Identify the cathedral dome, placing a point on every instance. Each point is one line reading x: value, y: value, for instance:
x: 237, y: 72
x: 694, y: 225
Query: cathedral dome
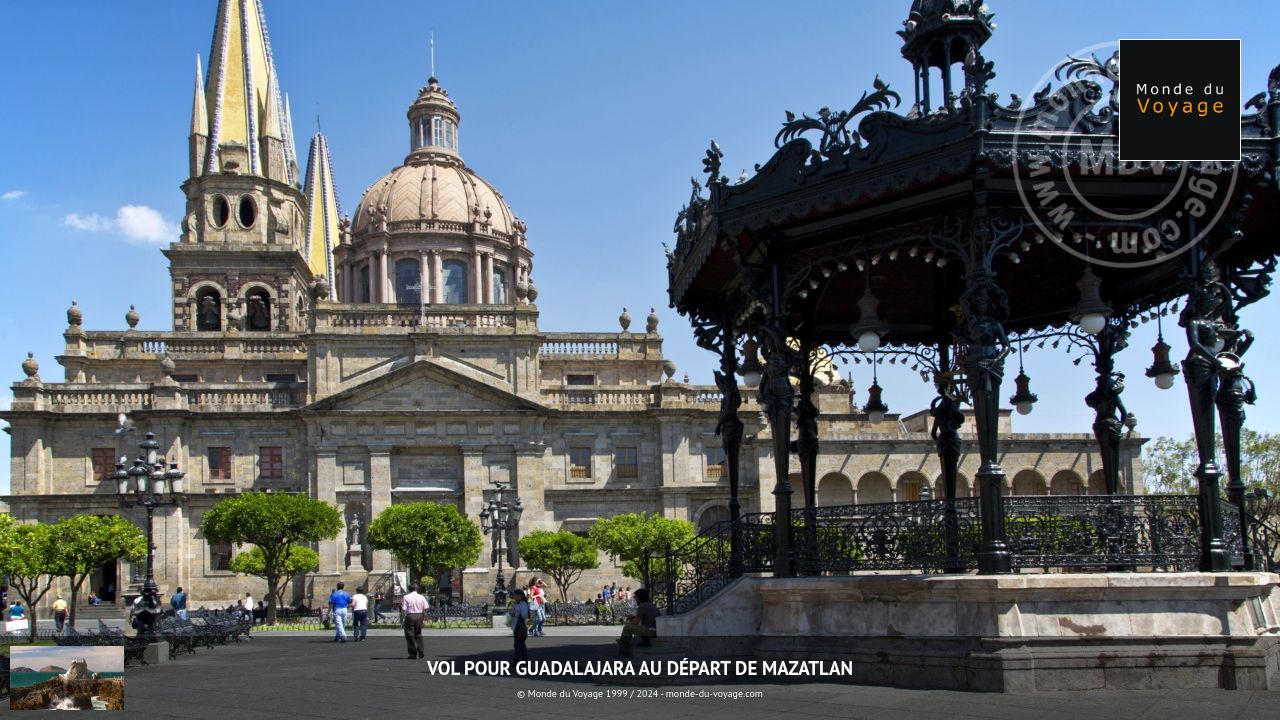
x: 431, y: 231
x: 434, y: 191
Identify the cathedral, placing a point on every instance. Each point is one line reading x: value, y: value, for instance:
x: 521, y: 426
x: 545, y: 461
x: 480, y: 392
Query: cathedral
x: 394, y: 356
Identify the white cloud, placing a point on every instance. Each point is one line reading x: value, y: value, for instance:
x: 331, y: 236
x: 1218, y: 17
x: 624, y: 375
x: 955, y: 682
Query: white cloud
x: 138, y: 224
x: 91, y: 223
x: 13, y: 195
x: 145, y: 225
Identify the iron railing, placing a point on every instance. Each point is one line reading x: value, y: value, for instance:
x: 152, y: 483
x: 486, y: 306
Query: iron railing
x: 1264, y: 543
x: 1076, y: 533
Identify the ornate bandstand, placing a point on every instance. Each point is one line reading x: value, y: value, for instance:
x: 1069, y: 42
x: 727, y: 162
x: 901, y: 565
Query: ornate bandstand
x: 955, y: 237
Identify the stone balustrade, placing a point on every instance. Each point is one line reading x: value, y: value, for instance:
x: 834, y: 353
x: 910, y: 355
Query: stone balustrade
x: 366, y: 317
x: 701, y: 397
x: 125, y: 398
x: 105, y: 345
x: 581, y: 348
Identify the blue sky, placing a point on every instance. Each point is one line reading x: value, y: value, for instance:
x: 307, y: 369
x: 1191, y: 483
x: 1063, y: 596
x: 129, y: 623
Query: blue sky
x: 588, y: 117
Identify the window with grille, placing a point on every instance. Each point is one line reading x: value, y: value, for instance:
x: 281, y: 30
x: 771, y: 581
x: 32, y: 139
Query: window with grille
x: 271, y: 462
x: 715, y: 462
x: 104, y: 463
x: 626, y: 463
x: 219, y: 463
x: 220, y: 557
x: 580, y: 462
x: 572, y: 379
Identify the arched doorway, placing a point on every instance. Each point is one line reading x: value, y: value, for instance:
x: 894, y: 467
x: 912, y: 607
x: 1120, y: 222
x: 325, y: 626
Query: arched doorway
x: 711, y: 517
x: 909, y: 486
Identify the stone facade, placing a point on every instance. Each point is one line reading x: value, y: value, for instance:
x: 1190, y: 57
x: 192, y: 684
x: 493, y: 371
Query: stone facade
x: 406, y: 364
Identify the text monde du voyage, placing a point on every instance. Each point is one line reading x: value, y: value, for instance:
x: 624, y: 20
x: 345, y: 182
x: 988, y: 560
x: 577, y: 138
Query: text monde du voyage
x: 1179, y: 99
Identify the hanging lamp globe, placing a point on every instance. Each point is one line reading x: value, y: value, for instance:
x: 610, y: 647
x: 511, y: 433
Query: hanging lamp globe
x: 1092, y: 311
x: 870, y: 328
x: 1161, y: 370
x: 1023, y: 399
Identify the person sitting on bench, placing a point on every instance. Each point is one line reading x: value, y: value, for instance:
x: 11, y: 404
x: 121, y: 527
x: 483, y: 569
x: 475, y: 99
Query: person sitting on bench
x: 644, y: 623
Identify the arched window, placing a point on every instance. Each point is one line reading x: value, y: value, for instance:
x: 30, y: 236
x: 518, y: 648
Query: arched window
x: 450, y: 139
x: 909, y: 486
x: 208, y: 310
x: 454, y: 279
x: 499, y: 285
x: 408, y: 282
x: 437, y: 130
x: 257, y: 316
x: 1066, y: 482
x: 711, y: 517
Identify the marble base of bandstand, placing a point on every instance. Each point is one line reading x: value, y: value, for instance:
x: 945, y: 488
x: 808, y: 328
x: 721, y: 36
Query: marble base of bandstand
x: 1004, y: 633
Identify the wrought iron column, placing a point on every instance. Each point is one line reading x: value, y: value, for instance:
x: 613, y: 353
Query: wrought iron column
x: 806, y: 449
x: 947, y: 419
x: 985, y: 305
x: 777, y: 396
x: 1200, y: 369
x: 1109, y: 412
x: 1234, y: 391
x: 729, y: 428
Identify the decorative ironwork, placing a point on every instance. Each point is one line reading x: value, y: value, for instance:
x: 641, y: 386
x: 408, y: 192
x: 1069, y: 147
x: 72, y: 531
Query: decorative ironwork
x: 1147, y: 532
x: 837, y: 138
x: 690, y: 574
x: 890, y: 536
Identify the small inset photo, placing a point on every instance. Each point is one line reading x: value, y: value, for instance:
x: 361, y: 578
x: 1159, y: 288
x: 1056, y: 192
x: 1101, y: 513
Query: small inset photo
x: 66, y: 678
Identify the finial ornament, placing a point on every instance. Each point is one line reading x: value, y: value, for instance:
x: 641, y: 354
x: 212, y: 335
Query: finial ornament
x: 74, y: 315
x: 651, y: 324
x: 624, y: 320
x: 30, y: 367
x: 132, y: 317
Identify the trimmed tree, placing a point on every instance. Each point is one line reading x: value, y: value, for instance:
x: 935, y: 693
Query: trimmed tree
x: 84, y: 542
x: 631, y: 536
x: 562, y: 555
x: 299, y: 560
x: 28, y: 556
x: 426, y: 537
x: 276, y: 523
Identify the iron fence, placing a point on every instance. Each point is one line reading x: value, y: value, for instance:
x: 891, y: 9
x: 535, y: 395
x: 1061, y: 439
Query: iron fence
x: 1145, y: 533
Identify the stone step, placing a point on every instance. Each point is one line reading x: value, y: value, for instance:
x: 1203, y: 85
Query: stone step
x: 99, y: 612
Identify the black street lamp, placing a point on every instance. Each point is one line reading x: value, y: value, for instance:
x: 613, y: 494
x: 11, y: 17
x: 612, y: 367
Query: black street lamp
x: 148, y: 484
x: 499, y: 518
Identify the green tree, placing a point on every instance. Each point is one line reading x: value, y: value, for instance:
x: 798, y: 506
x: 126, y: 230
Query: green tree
x: 84, y: 542
x: 426, y: 537
x: 298, y: 560
x: 562, y: 555
x: 1170, y: 465
x: 631, y: 536
x: 28, y: 556
x: 276, y: 523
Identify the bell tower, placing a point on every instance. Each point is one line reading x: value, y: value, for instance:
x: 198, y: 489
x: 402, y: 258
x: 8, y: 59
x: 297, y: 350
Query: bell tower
x: 241, y: 262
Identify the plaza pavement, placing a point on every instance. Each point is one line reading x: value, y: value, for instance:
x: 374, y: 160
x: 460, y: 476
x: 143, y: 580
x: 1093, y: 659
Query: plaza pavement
x: 306, y: 675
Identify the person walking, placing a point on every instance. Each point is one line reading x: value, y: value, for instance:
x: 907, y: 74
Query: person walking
x: 376, y: 607
x: 359, y: 615
x: 246, y: 607
x: 518, y: 616
x: 179, y: 603
x: 537, y: 605
x: 413, y: 608
x: 339, y: 601
x: 59, y: 613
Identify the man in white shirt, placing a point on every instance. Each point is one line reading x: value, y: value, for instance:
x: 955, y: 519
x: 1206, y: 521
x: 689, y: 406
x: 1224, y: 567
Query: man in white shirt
x: 359, y: 615
x: 246, y: 607
x: 413, y: 608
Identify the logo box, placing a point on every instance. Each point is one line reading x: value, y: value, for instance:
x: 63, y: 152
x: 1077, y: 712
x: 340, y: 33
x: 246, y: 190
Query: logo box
x: 1180, y: 100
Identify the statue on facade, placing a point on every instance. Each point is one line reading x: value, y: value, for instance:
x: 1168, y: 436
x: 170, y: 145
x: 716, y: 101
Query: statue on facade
x: 353, y: 534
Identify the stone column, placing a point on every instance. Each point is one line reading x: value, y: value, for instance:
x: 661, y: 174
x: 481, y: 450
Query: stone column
x: 437, y: 273
x: 477, y: 292
x: 379, y: 497
x: 384, y: 286
x: 424, y: 278
x: 487, y: 277
x: 477, y: 581
x: 332, y: 551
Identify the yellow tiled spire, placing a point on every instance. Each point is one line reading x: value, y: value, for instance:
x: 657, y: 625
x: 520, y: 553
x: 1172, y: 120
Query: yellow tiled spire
x: 322, y: 211
x: 242, y: 97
